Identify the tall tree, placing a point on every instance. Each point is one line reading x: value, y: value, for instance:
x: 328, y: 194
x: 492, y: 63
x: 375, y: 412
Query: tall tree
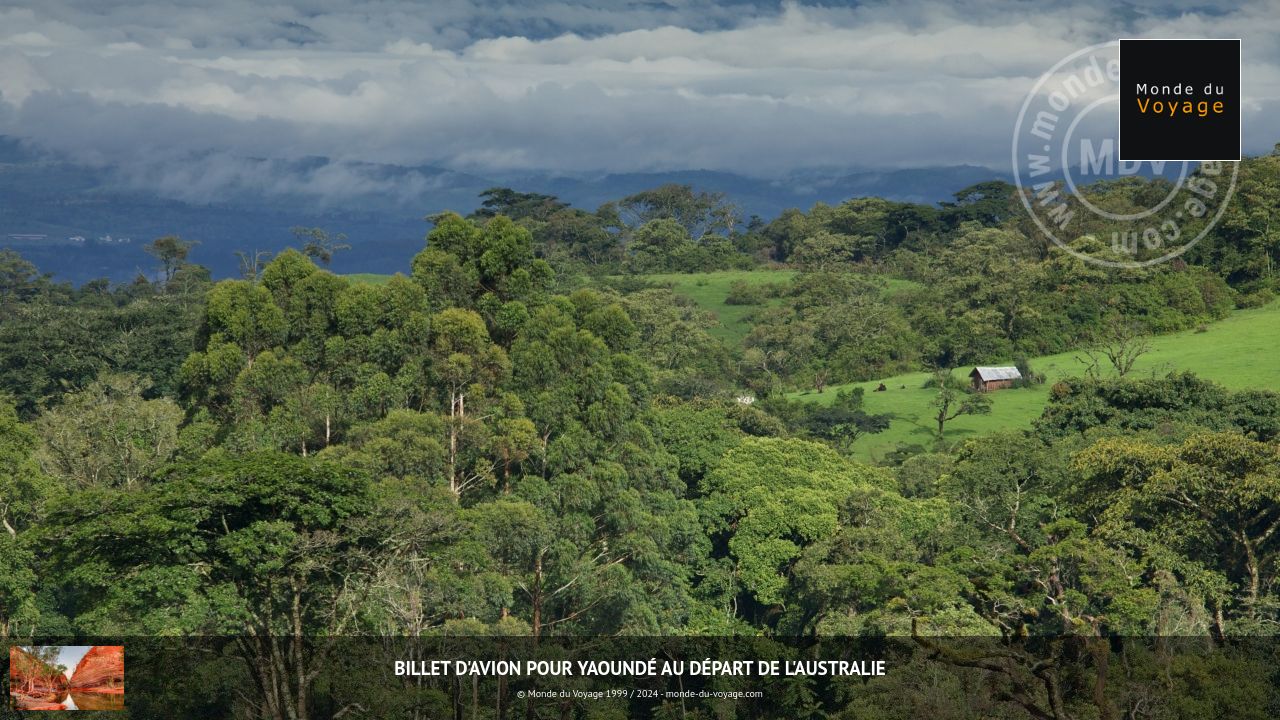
x: 171, y: 251
x: 698, y: 212
x: 1213, y: 501
x: 108, y: 435
x: 318, y: 244
x: 19, y: 279
x: 24, y: 490
x: 269, y: 548
x: 769, y: 498
x: 467, y: 364
x: 517, y: 205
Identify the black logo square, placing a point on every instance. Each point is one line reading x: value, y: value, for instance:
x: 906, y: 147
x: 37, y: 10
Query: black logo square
x: 1179, y: 99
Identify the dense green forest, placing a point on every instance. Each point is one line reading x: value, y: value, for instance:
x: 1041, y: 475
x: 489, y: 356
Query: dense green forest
x: 529, y: 433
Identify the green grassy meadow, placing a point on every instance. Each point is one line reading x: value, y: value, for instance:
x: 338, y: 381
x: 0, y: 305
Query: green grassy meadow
x: 709, y: 290
x: 1242, y: 351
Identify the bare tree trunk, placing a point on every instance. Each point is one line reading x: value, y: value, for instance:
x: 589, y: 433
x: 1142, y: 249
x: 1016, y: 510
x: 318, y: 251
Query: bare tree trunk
x: 300, y: 669
x: 457, y: 698
x: 1100, y: 648
x: 457, y: 412
x: 537, y: 596
x: 502, y: 696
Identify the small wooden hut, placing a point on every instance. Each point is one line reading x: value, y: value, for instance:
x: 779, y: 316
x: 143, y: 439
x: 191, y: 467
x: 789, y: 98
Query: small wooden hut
x: 986, y: 379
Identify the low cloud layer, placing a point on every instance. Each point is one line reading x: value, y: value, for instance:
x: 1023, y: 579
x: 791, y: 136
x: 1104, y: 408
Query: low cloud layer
x: 754, y: 88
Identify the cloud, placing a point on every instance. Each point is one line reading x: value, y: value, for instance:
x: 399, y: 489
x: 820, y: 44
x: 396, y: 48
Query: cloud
x: 317, y: 180
x: 18, y: 77
x: 756, y: 88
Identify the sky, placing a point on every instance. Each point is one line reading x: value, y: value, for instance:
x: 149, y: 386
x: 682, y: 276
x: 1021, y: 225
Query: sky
x: 758, y: 88
x: 70, y: 655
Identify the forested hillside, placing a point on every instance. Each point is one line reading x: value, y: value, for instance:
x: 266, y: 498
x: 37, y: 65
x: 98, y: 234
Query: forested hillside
x: 535, y: 431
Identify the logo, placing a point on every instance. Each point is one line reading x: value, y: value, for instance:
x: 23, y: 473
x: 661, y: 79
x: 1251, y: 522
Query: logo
x: 1087, y: 201
x: 1180, y: 99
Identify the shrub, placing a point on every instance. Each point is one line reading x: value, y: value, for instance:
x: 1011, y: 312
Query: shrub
x: 1255, y: 299
x: 1030, y: 378
x: 743, y: 293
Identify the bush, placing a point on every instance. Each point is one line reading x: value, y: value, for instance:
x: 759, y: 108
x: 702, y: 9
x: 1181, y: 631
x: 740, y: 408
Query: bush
x: 1255, y: 299
x: 1030, y: 378
x: 953, y: 381
x: 743, y: 293
x: 627, y: 284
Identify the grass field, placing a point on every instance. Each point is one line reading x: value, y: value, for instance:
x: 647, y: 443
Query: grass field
x: 1242, y: 351
x: 709, y: 290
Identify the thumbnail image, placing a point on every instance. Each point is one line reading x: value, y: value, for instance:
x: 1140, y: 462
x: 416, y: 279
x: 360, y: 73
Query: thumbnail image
x: 66, y: 677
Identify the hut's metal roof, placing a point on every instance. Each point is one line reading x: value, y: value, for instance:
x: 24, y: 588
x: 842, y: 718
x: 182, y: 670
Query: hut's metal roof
x: 996, y: 373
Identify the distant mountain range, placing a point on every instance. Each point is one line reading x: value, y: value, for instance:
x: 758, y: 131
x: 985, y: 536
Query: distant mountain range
x: 82, y: 221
